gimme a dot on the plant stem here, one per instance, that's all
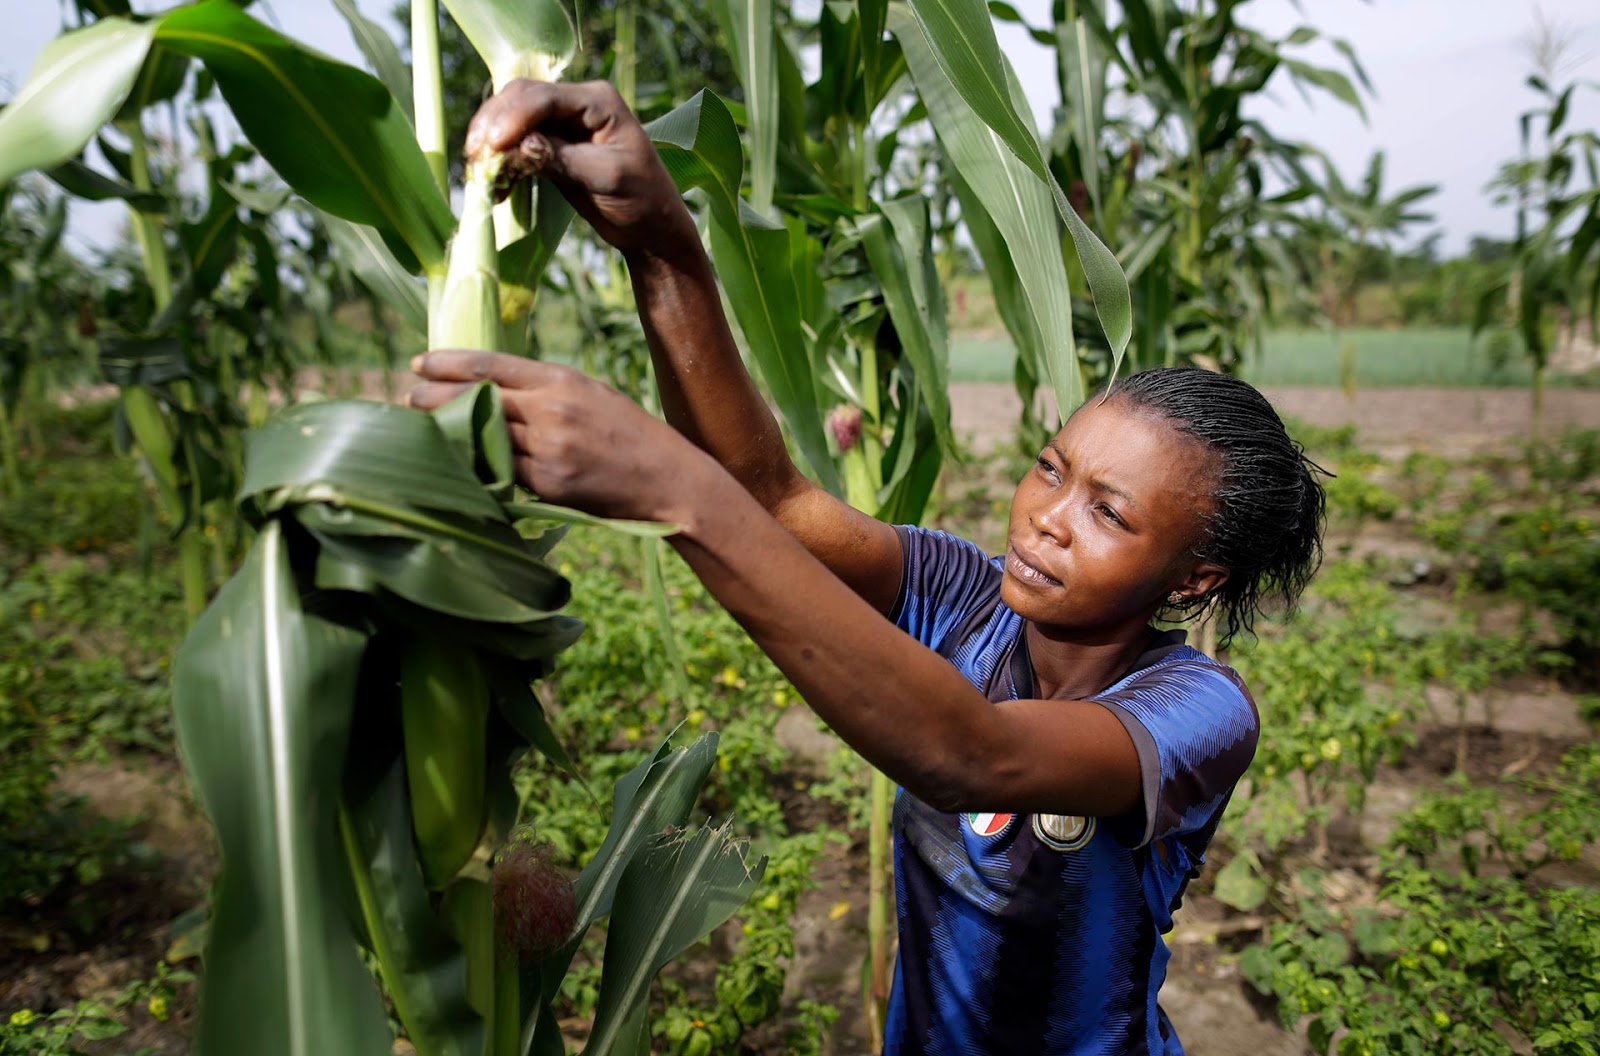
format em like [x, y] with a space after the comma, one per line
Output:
[151, 429]
[427, 88]
[8, 452]
[427, 103]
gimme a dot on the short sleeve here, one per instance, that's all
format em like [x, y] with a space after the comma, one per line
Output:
[943, 579]
[1195, 728]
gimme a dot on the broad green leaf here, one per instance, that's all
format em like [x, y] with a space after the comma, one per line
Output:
[896, 239]
[358, 160]
[423, 967]
[517, 38]
[960, 37]
[380, 50]
[1240, 883]
[262, 693]
[361, 250]
[78, 82]
[360, 449]
[1009, 214]
[699, 145]
[672, 894]
[747, 26]
[474, 423]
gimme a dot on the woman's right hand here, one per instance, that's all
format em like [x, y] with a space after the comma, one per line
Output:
[600, 157]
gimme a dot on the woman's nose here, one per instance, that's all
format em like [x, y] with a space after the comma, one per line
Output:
[1054, 521]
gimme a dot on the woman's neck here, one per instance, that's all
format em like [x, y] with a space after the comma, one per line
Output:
[1066, 669]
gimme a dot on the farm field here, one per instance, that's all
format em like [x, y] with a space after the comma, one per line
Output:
[1440, 357]
[1429, 742]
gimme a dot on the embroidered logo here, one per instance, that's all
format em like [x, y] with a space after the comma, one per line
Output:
[989, 824]
[1063, 832]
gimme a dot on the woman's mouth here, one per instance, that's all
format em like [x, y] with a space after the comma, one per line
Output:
[1027, 572]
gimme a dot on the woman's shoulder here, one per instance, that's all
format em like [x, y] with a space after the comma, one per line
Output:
[1180, 681]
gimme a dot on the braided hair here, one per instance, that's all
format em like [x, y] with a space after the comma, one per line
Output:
[1265, 522]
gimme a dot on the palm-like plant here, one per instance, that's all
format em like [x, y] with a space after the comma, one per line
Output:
[1554, 265]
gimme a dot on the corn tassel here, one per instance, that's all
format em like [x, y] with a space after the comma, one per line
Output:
[444, 715]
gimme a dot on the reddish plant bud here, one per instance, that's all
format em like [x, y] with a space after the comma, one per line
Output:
[844, 422]
[1078, 195]
[534, 904]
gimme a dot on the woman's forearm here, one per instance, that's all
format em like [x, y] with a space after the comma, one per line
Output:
[705, 390]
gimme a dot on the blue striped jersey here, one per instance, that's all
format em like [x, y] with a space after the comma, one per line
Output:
[1042, 934]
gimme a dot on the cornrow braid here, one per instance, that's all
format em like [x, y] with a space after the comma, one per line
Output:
[1265, 524]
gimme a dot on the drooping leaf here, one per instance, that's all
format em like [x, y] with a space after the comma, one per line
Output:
[80, 181]
[361, 449]
[261, 693]
[358, 160]
[699, 145]
[671, 895]
[997, 192]
[960, 37]
[78, 82]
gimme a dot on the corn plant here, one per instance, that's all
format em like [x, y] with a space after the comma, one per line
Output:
[1551, 281]
[1156, 148]
[351, 703]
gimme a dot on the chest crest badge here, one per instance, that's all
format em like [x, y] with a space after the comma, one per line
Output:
[989, 824]
[1063, 832]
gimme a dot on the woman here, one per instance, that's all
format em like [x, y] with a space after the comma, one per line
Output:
[1063, 764]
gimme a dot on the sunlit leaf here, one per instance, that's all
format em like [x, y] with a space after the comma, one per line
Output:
[78, 82]
[358, 160]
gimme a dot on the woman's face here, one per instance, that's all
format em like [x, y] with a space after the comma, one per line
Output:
[1104, 525]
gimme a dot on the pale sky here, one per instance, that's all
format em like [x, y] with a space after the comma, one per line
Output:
[1449, 76]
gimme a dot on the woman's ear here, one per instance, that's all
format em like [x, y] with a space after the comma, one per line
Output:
[1203, 580]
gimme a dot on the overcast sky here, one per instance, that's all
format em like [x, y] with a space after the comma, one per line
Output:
[1449, 76]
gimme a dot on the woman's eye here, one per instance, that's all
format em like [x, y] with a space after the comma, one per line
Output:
[1109, 512]
[1045, 466]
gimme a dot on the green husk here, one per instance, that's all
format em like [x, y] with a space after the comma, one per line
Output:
[468, 312]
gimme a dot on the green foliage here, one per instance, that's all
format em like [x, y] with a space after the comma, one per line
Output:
[1444, 965]
[66, 1031]
[1547, 557]
[1552, 820]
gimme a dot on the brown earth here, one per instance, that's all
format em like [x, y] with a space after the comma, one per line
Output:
[1451, 422]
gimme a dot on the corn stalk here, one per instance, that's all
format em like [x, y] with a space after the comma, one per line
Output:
[351, 703]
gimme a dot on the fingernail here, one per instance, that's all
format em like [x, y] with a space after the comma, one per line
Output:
[416, 362]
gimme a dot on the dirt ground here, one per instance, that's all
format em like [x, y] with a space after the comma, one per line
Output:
[1450, 422]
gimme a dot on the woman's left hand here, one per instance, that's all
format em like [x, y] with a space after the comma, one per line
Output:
[577, 442]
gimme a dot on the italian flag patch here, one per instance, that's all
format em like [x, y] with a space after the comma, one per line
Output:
[989, 824]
